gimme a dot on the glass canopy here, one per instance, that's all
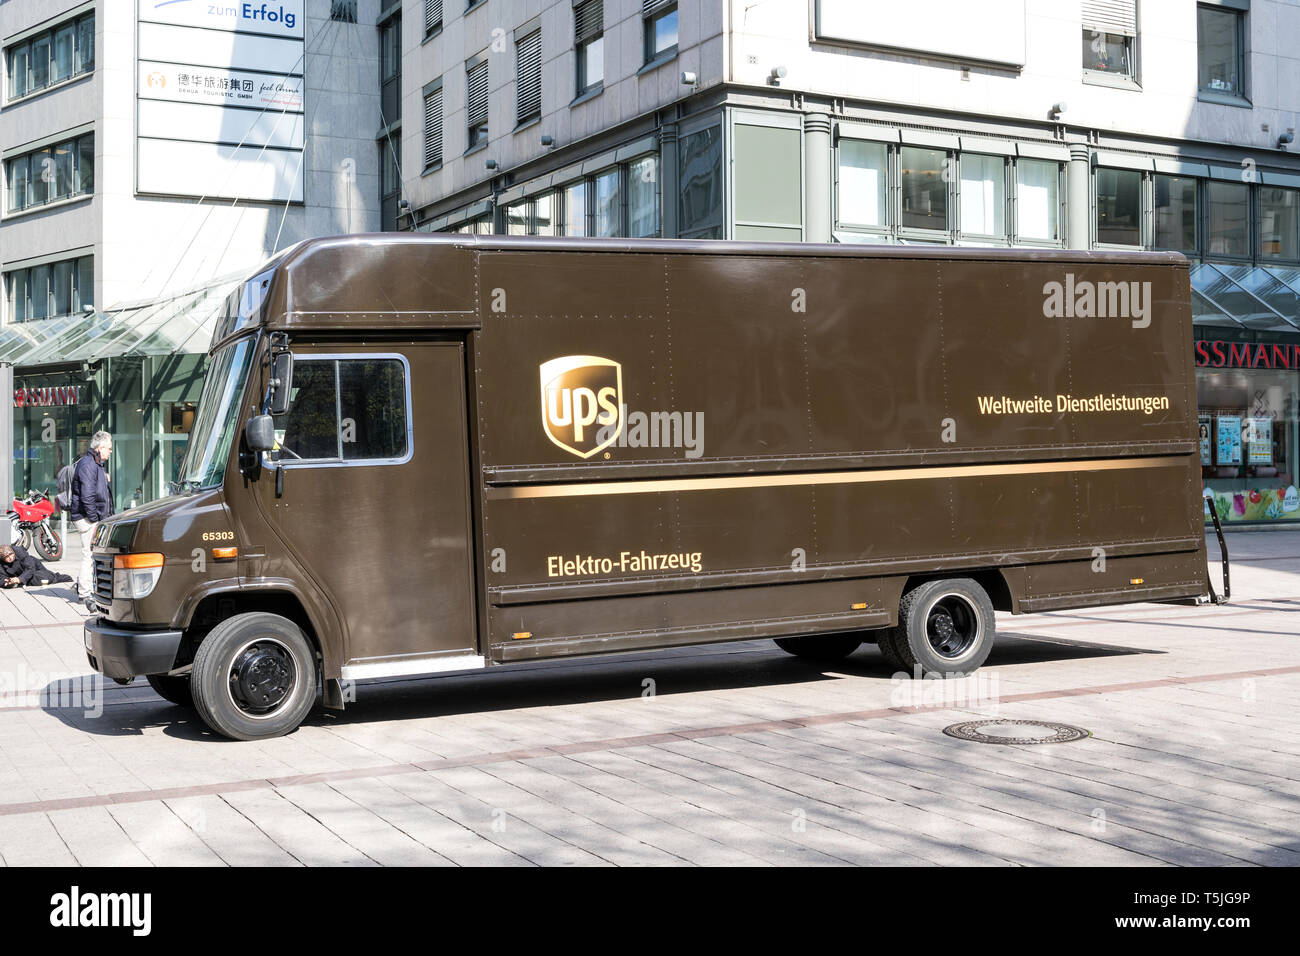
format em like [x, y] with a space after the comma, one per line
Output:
[1264, 298]
[180, 324]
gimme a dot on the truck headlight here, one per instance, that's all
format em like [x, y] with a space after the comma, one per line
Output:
[134, 575]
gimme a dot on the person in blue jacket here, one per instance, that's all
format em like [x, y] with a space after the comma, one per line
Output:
[92, 502]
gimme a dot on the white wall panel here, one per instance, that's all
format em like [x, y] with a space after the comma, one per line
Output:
[178, 168]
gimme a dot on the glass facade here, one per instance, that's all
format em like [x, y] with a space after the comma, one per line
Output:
[1249, 432]
[147, 403]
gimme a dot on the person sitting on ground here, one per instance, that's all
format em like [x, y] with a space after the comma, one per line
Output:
[18, 569]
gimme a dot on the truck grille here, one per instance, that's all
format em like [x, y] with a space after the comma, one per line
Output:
[104, 579]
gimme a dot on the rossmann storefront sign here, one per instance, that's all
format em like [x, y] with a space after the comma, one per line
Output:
[1216, 353]
[47, 397]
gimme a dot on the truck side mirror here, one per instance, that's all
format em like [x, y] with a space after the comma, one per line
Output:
[259, 433]
[281, 382]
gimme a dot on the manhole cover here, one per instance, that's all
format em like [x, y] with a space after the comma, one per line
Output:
[1015, 732]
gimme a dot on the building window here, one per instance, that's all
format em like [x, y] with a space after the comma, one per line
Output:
[528, 70]
[344, 11]
[390, 70]
[608, 211]
[59, 54]
[1227, 231]
[643, 197]
[1175, 213]
[983, 195]
[1038, 202]
[532, 217]
[660, 18]
[700, 175]
[519, 218]
[863, 171]
[433, 128]
[390, 181]
[476, 101]
[50, 291]
[589, 44]
[1109, 53]
[924, 188]
[1110, 37]
[575, 209]
[60, 171]
[1119, 207]
[1220, 32]
[622, 201]
[1279, 223]
[432, 17]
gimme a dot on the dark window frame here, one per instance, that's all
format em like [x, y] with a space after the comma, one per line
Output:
[80, 66]
[75, 145]
[652, 12]
[341, 462]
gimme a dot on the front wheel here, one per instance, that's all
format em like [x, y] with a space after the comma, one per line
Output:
[48, 543]
[945, 627]
[254, 677]
[173, 689]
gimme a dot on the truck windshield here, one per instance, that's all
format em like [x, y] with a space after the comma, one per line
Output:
[218, 415]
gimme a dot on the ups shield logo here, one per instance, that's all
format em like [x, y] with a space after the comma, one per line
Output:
[582, 403]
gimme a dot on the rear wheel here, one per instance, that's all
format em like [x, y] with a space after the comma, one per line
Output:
[254, 677]
[174, 689]
[946, 627]
[48, 543]
[820, 647]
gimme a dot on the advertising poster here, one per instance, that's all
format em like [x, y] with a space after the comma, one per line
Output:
[1206, 442]
[1228, 430]
[1259, 441]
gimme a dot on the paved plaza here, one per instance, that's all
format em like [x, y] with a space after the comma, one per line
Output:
[726, 754]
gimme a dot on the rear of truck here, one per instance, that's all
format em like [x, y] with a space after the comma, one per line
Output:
[725, 443]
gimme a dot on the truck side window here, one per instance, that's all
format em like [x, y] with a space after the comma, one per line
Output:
[372, 397]
[344, 409]
[310, 429]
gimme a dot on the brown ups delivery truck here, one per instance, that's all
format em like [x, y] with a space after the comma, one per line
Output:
[419, 454]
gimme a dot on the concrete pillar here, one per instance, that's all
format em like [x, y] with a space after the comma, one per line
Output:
[6, 438]
[669, 187]
[818, 198]
[1078, 206]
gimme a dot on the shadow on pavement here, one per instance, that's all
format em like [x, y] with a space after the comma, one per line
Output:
[133, 710]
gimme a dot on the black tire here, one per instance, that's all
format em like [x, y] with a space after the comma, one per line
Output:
[889, 650]
[947, 627]
[48, 543]
[820, 647]
[25, 539]
[254, 677]
[174, 689]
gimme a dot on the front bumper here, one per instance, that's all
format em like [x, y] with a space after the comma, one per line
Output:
[121, 654]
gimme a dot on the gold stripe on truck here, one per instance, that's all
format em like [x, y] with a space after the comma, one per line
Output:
[657, 485]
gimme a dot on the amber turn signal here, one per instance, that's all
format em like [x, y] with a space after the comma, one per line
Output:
[1136, 580]
[520, 635]
[862, 606]
[220, 553]
[150, 560]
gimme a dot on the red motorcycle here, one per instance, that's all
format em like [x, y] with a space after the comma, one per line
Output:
[29, 525]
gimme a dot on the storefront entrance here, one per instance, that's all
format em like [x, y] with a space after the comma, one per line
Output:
[1248, 396]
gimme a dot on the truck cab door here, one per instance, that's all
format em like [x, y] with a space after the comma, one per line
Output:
[375, 500]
